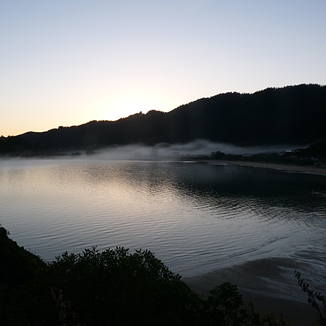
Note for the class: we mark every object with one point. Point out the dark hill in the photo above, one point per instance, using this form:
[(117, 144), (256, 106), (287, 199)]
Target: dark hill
[(294, 114), (289, 115)]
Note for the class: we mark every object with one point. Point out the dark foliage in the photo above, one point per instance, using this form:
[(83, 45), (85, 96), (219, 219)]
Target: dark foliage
[(224, 306), (17, 264), (113, 287)]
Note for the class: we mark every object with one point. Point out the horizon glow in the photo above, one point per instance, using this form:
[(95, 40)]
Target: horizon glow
[(67, 63)]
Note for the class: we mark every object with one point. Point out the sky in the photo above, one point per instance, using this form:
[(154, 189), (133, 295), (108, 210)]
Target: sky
[(67, 62)]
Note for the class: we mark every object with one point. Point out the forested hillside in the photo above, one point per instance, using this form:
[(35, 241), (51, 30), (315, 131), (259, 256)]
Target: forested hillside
[(289, 115)]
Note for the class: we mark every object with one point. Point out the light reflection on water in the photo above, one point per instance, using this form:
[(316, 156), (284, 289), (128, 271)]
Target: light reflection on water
[(195, 217)]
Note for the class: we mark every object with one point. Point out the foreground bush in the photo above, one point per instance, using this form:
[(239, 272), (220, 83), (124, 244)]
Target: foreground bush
[(112, 287), (116, 287)]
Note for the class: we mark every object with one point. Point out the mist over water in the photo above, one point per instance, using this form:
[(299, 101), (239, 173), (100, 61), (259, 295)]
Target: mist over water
[(172, 151)]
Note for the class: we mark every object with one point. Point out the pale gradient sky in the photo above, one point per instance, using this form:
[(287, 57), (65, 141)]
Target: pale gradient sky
[(66, 62)]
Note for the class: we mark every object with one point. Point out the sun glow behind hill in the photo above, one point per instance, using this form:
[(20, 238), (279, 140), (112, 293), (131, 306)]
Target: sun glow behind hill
[(123, 104)]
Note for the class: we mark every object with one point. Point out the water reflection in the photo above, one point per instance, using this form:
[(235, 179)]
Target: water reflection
[(195, 217)]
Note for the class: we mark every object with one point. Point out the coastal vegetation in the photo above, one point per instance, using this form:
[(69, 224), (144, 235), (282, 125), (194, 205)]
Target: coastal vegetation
[(112, 287)]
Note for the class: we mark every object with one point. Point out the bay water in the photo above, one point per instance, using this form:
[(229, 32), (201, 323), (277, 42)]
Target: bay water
[(198, 218)]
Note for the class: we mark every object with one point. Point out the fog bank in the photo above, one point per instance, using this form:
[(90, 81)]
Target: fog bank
[(164, 151)]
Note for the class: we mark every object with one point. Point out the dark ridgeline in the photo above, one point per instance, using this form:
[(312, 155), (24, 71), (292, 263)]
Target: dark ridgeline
[(289, 115)]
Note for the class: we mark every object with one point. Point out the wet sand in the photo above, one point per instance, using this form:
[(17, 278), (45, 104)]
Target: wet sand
[(268, 283)]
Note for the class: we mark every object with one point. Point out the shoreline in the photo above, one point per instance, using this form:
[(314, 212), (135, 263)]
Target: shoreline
[(282, 167), (267, 283)]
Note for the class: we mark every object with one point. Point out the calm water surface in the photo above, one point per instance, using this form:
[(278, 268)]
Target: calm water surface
[(196, 217)]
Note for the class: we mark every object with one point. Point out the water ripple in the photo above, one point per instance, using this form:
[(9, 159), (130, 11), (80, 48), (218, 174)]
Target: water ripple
[(195, 217)]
